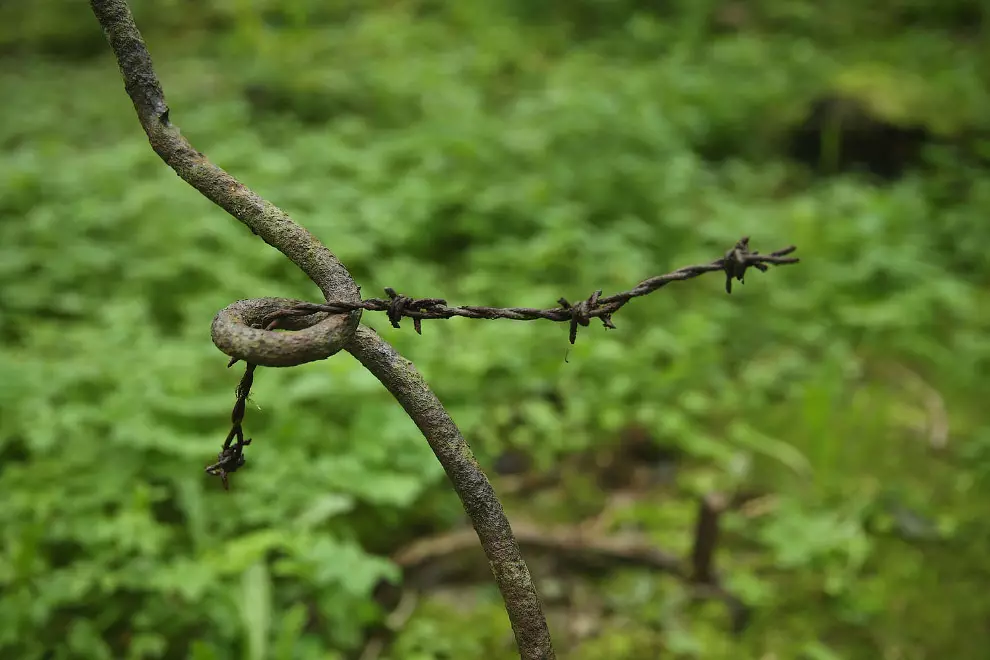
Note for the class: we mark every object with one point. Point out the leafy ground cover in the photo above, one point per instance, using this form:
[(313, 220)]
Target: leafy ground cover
[(503, 155)]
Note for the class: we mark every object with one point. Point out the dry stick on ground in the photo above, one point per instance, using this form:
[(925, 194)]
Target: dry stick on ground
[(586, 543), (240, 330), (562, 540)]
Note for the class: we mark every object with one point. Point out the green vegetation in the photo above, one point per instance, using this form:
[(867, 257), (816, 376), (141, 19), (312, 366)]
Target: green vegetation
[(503, 154)]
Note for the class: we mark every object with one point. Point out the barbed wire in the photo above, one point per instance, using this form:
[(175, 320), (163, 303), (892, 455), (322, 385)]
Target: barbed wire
[(734, 264), (231, 456)]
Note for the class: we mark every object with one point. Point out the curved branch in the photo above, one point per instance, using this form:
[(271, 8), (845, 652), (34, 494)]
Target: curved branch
[(241, 330), (237, 330), (230, 330), (406, 384)]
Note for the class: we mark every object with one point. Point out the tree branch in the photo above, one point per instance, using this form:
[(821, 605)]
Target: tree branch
[(706, 538), (239, 330), (472, 486)]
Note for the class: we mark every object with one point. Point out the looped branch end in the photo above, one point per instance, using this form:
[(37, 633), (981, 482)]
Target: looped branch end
[(239, 331)]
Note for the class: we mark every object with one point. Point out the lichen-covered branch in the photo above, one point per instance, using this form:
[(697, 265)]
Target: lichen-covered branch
[(240, 332), (472, 486), (237, 330)]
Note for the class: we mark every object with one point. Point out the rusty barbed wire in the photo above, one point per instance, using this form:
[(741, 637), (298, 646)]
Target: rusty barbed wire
[(734, 264), (231, 456)]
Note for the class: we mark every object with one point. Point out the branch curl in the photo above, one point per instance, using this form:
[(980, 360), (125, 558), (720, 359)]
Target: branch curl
[(240, 331)]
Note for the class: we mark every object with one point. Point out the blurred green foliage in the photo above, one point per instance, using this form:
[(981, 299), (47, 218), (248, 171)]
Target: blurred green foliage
[(503, 154)]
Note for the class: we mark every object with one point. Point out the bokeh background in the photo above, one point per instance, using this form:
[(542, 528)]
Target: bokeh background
[(503, 153)]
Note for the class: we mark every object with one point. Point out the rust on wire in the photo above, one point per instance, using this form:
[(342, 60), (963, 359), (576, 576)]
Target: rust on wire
[(734, 264), (231, 456)]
